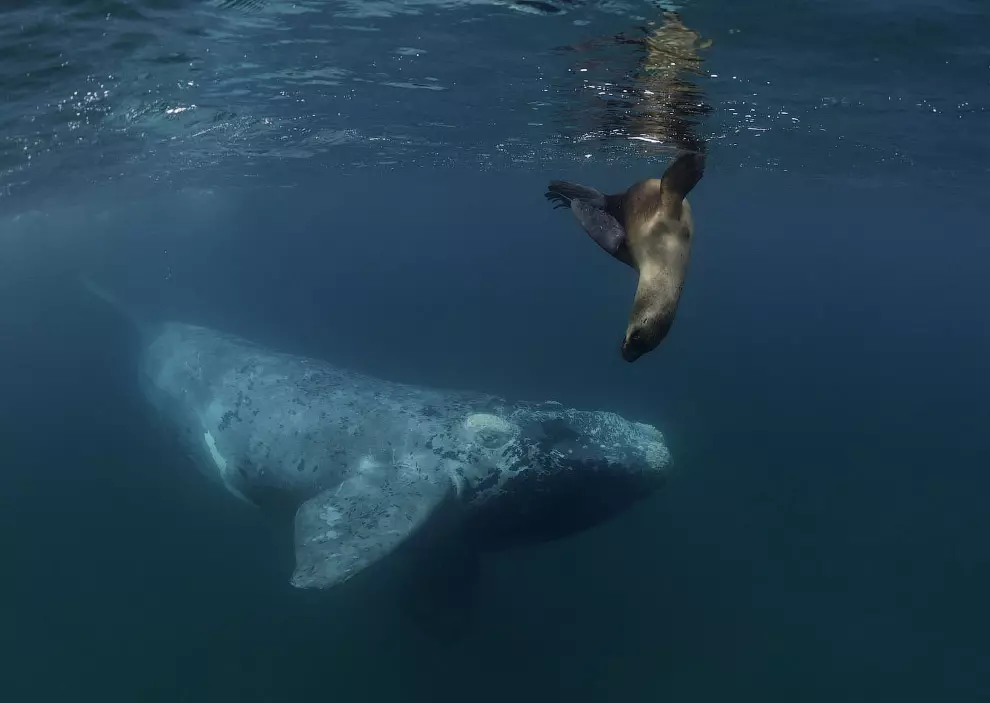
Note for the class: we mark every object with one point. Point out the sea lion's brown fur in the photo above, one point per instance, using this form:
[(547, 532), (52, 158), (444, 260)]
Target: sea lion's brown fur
[(650, 228)]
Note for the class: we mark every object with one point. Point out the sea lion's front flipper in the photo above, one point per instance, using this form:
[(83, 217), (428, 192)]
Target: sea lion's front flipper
[(349, 527), (563, 193), (603, 228)]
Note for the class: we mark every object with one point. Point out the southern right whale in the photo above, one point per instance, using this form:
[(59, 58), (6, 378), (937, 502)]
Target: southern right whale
[(361, 464)]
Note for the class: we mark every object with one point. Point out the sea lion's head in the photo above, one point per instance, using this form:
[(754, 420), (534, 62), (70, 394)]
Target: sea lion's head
[(643, 335), (649, 322)]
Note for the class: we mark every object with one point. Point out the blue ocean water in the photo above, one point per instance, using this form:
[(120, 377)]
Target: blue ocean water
[(363, 182)]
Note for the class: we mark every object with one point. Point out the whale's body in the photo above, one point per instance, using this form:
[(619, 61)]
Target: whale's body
[(360, 465), (363, 463)]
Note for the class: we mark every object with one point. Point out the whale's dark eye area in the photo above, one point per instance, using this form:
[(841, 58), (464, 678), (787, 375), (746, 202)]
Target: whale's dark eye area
[(558, 431)]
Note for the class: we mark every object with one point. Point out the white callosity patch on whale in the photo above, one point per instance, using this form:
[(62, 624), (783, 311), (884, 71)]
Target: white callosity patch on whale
[(562, 440), (483, 437), (486, 422), (217, 456), (214, 413), (650, 441), (214, 419), (616, 436), (221, 463)]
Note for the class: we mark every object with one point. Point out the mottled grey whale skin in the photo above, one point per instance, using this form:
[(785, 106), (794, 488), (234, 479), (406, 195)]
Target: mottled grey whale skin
[(363, 463)]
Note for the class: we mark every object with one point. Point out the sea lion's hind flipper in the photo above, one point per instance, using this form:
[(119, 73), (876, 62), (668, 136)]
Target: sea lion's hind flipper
[(563, 193), (681, 176), (603, 228), (349, 527)]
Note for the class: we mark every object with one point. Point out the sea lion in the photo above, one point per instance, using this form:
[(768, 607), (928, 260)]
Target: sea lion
[(650, 228), (359, 465)]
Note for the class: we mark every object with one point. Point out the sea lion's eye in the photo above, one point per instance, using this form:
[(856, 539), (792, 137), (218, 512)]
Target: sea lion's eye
[(635, 336)]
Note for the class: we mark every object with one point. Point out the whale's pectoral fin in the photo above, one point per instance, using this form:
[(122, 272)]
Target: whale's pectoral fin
[(603, 228), (680, 177), (345, 529)]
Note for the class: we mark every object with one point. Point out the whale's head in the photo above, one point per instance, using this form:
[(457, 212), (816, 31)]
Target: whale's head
[(538, 472)]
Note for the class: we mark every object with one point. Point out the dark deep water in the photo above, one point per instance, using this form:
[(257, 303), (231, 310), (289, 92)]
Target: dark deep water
[(824, 394)]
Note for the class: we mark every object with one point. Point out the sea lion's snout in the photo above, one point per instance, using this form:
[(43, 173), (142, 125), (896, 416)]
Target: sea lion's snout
[(629, 352), (642, 338), (638, 342)]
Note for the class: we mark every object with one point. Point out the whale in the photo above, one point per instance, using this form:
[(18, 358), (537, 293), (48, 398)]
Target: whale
[(360, 466)]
